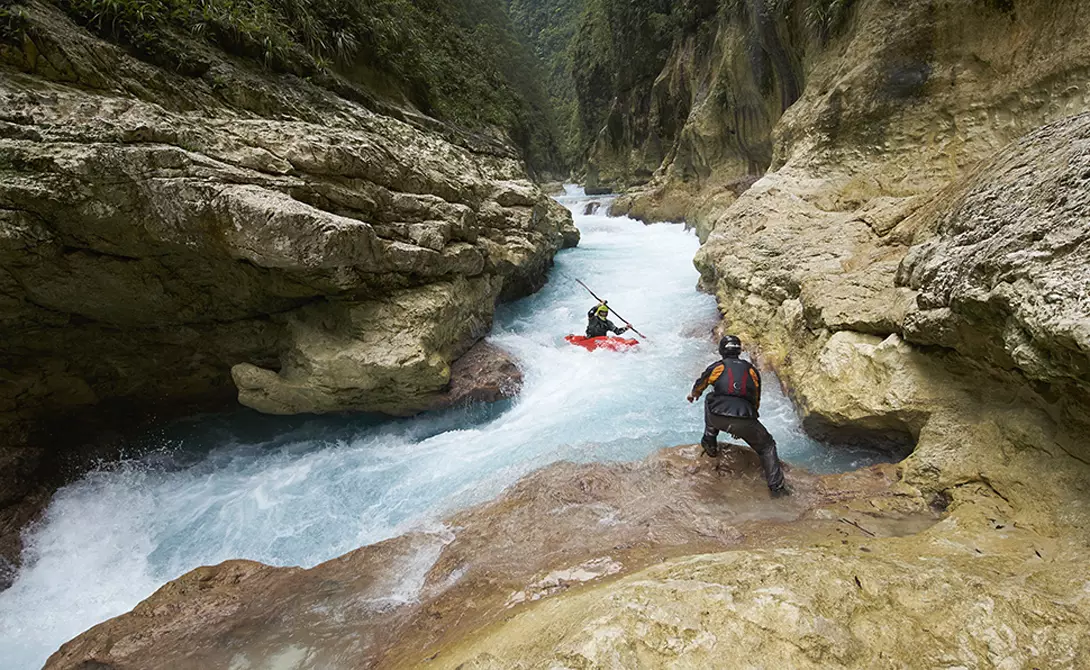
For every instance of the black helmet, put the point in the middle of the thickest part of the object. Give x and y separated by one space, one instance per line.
730 346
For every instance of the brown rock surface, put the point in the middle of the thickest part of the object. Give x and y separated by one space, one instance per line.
401 601
937 599
485 373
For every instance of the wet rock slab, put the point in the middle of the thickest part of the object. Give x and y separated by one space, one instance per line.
560 529
485 373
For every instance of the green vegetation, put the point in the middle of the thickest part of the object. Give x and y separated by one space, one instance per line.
12 20
599 51
620 46
459 61
548 27
595 50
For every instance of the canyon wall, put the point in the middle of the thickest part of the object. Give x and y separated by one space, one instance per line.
894 201
167 236
912 259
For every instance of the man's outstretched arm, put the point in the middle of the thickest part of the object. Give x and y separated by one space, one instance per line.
706 379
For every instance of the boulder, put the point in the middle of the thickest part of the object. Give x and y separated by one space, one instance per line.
1006 277
485 373
390 356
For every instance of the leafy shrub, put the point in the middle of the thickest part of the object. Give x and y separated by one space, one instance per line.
12 22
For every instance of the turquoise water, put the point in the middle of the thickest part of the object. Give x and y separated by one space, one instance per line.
298 491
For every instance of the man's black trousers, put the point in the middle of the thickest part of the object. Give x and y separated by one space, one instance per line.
753 433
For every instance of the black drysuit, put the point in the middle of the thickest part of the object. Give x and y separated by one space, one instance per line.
599 327
733 406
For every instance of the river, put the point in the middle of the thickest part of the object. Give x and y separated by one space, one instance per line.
298 491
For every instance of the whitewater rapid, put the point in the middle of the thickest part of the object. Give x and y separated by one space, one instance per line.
298 491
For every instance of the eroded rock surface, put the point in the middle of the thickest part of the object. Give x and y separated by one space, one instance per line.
159 231
1007 276
932 600
399 602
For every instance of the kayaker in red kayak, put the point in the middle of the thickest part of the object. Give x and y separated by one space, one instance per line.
598 323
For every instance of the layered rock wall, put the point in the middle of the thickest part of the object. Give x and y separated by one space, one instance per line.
865 168
159 231
911 263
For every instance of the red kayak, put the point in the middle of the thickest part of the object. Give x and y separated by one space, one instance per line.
592 343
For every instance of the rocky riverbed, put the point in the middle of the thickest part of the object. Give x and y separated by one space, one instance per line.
554 532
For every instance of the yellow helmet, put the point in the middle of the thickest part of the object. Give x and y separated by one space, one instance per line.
601 312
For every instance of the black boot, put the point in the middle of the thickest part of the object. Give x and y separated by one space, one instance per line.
711 446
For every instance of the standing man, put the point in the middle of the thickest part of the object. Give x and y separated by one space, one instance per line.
598 323
732 406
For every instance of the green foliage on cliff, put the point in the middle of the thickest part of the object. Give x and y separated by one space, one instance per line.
548 27
613 50
619 44
594 50
460 61
12 20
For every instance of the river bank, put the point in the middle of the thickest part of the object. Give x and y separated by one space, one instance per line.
299 491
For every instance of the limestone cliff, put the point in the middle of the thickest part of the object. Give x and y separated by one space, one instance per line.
901 231
161 231
872 76
810 257
912 260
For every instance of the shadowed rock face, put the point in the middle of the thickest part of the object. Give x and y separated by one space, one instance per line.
160 233
401 601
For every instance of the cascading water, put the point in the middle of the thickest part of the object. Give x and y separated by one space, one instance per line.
298 491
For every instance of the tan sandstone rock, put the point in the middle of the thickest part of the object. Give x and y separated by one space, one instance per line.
1007 276
389 356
